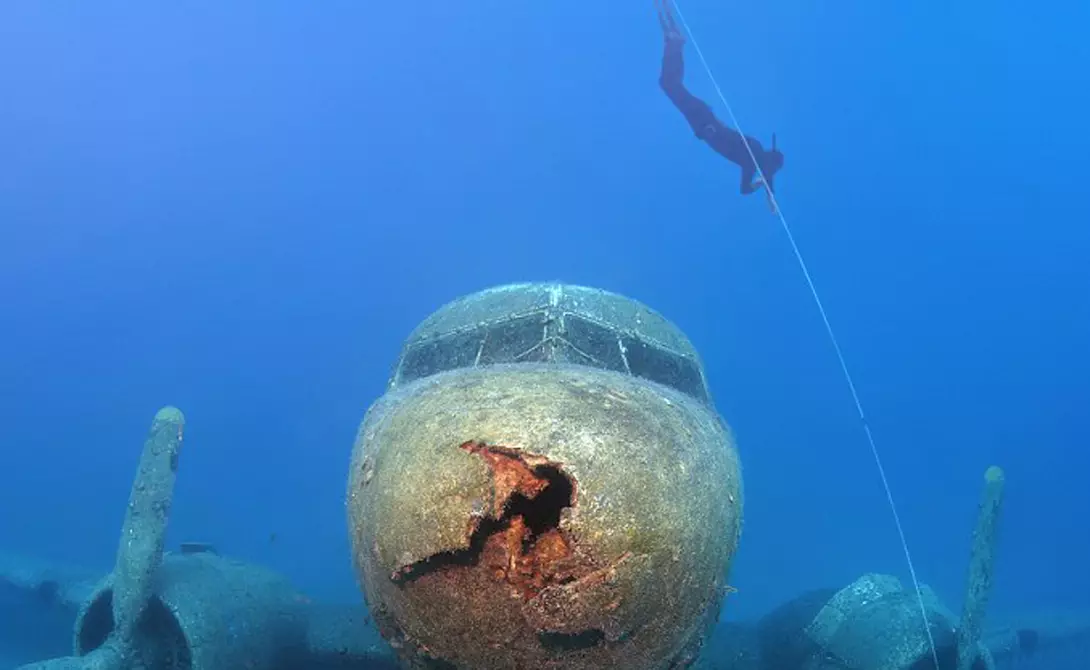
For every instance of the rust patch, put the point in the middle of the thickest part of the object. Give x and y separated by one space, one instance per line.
516 540
571 611
510 474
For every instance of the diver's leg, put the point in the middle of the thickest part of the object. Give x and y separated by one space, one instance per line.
671 78
672 75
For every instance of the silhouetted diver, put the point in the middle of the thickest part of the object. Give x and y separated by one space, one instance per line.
727 142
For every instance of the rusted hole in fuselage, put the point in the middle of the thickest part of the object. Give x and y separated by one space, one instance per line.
518 540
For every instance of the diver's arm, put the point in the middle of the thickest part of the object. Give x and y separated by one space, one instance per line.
748 185
753 182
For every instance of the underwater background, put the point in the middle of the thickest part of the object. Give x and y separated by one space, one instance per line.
244 209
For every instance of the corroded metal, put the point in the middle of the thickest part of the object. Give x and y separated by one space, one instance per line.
874 622
139 552
193 610
981 569
206 612
528 511
143 533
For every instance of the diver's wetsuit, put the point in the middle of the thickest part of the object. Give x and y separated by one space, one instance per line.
727 142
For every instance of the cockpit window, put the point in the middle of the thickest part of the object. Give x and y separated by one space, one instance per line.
544 336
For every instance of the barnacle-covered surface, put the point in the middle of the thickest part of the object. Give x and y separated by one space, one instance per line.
543 515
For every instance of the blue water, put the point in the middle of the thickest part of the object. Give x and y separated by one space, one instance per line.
243 209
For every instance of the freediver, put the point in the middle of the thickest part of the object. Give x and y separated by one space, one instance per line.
727 142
